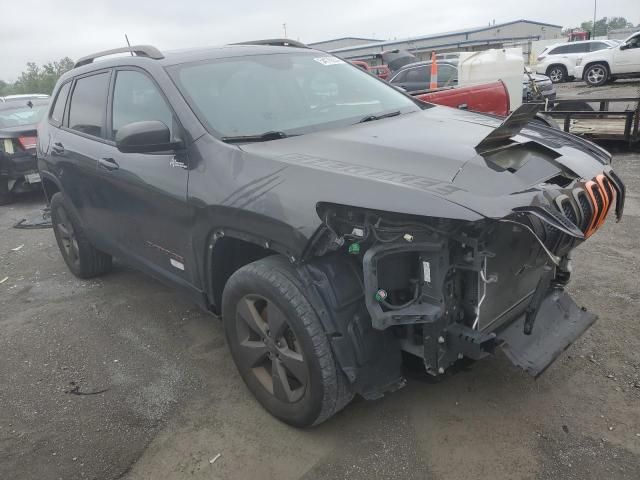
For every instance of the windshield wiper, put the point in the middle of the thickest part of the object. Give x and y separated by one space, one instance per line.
371 118
263 137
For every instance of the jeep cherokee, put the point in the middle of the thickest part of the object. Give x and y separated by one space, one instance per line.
334 223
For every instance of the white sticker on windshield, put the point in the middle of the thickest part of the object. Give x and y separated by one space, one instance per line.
329 61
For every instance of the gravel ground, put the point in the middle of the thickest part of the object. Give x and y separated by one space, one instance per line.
122 377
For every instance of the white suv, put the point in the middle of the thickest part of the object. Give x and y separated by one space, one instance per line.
623 60
558 61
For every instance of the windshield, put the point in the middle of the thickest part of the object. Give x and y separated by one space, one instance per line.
14 114
290 93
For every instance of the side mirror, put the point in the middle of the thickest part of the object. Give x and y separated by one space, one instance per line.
145 137
624 46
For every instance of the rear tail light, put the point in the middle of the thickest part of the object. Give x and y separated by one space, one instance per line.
27 143
540 58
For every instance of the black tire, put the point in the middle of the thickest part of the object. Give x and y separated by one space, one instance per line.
557 73
271 327
5 195
596 75
573 106
82 258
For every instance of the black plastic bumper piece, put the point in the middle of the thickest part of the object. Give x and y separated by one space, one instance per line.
559 323
17 165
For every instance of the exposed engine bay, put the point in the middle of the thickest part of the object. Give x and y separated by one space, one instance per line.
450 289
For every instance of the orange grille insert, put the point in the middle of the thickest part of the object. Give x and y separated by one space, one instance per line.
602 196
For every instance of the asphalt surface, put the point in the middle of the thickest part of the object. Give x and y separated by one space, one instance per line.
121 377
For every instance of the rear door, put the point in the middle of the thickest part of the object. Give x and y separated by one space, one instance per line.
76 145
574 52
144 195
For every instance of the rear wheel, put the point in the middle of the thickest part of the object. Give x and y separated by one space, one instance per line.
557 73
596 75
5 195
279 345
82 258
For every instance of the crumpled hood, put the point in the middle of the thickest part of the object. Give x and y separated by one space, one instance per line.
436 148
439 143
414 143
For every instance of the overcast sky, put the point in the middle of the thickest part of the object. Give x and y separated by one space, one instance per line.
40 30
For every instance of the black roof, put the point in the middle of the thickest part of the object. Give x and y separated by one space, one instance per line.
146 53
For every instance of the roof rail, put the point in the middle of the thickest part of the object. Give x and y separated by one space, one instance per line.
276 42
138 50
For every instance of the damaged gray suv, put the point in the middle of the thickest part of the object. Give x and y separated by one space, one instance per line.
334 223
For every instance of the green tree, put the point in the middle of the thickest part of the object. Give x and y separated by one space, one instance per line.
605 24
4 86
38 79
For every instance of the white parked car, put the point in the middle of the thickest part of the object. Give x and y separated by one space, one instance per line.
597 68
24 97
558 61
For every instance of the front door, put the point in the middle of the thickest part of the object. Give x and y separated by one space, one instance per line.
627 56
145 194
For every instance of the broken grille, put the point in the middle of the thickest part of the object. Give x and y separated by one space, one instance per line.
586 208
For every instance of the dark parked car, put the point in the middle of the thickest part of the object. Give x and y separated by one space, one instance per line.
333 222
417 76
18 166
543 90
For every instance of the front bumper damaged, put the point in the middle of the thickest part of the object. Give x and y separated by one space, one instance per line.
559 323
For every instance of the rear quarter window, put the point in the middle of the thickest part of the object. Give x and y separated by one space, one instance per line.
57 110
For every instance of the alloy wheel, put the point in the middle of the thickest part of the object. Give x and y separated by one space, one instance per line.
68 238
596 75
268 347
556 75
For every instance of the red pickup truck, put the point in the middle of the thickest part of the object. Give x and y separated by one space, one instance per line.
486 97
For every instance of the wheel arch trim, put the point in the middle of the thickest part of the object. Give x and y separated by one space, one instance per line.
218 233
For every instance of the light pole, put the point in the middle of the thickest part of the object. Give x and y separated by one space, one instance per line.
284 26
595 5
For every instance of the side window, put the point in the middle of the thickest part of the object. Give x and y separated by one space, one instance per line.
561 50
57 112
419 75
136 99
577 48
447 75
634 42
89 105
595 46
401 77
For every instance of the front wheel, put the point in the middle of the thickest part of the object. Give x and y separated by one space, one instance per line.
596 75
279 345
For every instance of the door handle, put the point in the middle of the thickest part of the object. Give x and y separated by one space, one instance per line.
57 148
108 163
